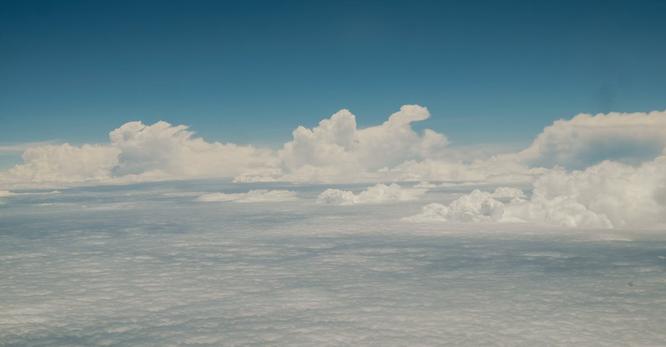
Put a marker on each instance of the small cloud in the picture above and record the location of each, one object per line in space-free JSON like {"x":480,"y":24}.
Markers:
{"x":253,"y":196}
{"x":376,"y":194}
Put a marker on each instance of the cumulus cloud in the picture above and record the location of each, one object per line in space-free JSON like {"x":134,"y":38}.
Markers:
{"x":337,"y":150}
{"x":253,"y":196}
{"x":64,"y":163}
{"x":174,"y":151}
{"x":588,"y":139}
{"x":477,"y":206}
{"x":139,"y":152}
{"x":376,"y":194}
{"x":607,"y":195}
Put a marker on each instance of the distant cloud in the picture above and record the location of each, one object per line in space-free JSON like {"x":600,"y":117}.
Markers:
{"x":376,"y":194}
{"x":587,"y":139}
{"x":253,"y":196}
{"x":618,"y":181}
{"x":336,"y":150}
{"x":607,"y":195}
{"x":477,"y":206}
{"x":64,"y":163}
{"x":173,"y":151}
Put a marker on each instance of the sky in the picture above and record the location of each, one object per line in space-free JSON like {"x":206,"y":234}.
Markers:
{"x":251,"y":71}
{"x":332,"y":173}
{"x":553,"y":113}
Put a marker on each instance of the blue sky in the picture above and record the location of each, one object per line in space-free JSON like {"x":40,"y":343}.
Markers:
{"x":251,"y":71}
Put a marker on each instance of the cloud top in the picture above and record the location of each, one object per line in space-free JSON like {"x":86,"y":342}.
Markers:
{"x":377,"y":194}
{"x":588,"y":139}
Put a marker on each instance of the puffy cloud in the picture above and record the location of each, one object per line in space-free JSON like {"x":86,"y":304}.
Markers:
{"x":139,"y":152}
{"x":376,"y":194}
{"x":173,"y":150}
{"x":477,"y":206}
{"x":589,"y":139}
{"x":336,"y":150}
{"x":64,"y":163}
{"x":607,"y":195}
{"x":253,"y":196}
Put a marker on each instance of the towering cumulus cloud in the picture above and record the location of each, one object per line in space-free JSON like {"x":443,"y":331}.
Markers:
{"x":336,"y":150}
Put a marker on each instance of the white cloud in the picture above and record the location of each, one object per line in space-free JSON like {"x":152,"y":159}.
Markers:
{"x":477,"y":206}
{"x":22,"y":147}
{"x":376,"y":194}
{"x":174,"y":151}
{"x":607,"y":195}
{"x":336,"y":150}
{"x":586,"y":140}
{"x":64,"y":163}
{"x":136,"y":153}
{"x":253,"y":196}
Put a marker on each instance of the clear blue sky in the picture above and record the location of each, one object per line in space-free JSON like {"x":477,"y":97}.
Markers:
{"x":250,"y":71}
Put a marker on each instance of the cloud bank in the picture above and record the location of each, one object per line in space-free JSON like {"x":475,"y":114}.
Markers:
{"x":607,"y":195}
{"x":587,"y":139}
{"x":603,"y":170}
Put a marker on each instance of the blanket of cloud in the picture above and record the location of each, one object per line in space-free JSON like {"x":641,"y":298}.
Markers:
{"x":152,"y":265}
{"x":605,"y":170}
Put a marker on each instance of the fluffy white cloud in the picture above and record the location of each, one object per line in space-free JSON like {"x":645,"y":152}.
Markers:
{"x":586,"y":140}
{"x":336,"y":150}
{"x":174,"y":151}
{"x":477,"y":206}
{"x":64,"y":163}
{"x":376,"y":194}
{"x":253,"y":196}
{"x":607,"y":195}
{"x":139,"y":152}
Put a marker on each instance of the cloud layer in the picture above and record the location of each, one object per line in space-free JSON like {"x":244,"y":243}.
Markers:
{"x":604,"y":170}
